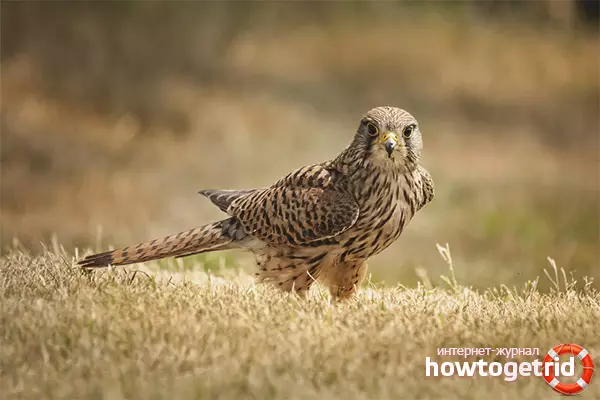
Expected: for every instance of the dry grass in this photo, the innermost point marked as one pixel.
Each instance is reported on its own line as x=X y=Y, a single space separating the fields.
x=163 y=334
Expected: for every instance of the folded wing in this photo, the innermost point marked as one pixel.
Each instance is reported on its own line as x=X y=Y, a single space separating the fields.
x=306 y=206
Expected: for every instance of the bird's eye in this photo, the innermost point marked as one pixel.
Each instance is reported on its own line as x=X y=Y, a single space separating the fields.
x=372 y=129
x=408 y=131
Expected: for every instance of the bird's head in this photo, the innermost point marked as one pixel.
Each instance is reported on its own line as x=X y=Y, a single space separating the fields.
x=389 y=137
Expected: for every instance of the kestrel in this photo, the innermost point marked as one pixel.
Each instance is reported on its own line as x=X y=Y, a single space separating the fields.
x=321 y=222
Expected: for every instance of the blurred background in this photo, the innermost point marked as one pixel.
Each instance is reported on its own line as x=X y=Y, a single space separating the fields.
x=114 y=114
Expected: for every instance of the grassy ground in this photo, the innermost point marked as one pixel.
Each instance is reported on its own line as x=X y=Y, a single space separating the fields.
x=179 y=333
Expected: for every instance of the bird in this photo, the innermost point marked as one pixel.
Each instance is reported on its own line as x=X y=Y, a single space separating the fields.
x=321 y=222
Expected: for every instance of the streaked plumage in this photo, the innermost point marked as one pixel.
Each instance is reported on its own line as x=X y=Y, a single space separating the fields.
x=319 y=223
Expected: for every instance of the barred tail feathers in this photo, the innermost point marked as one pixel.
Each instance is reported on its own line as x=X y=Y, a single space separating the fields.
x=211 y=237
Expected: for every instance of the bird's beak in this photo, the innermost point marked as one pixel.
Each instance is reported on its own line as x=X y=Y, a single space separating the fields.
x=390 y=141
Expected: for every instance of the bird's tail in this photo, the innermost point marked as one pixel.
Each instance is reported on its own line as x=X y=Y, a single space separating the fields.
x=211 y=237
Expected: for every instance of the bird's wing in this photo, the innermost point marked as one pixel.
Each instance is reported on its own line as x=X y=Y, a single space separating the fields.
x=306 y=206
x=224 y=198
x=427 y=187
